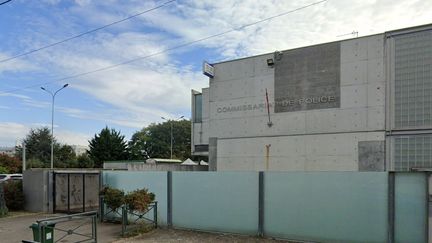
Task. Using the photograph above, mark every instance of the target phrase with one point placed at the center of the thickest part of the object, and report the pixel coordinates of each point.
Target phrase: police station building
(362, 104)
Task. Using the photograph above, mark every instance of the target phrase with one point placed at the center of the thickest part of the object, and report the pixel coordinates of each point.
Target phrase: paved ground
(170, 235)
(16, 228)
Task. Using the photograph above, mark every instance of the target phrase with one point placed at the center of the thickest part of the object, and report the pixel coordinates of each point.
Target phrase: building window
(198, 108)
(413, 80)
(201, 148)
(413, 151)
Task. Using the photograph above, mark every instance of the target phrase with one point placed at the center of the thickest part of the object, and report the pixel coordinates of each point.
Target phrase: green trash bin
(49, 233)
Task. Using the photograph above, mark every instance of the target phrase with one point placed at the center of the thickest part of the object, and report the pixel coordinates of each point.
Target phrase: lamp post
(170, 121)
(52, 120)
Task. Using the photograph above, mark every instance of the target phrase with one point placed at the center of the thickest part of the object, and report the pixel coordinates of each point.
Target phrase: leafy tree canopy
(38, 150)
(107, 145)
(153, 141)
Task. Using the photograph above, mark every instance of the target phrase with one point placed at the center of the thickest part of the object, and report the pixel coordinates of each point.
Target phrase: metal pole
(261, 203)
(52, 132)
(171, 138)
(52, 120)
(169, 199)
(23, 156)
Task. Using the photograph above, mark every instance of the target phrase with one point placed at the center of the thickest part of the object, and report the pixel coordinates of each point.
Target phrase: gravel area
(176, 235)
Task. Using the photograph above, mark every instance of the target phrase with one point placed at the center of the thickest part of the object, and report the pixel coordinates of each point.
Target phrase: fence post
(261, 203)
(427, 205)
(391, 207)
(101, 202)
(169, 198)
(155, 212)
(124, 219)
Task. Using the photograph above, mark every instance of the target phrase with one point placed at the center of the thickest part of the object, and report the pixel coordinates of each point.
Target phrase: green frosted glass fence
(410, 207)
(305, 206)
(216, 201)
(155, 181)
(326, 206)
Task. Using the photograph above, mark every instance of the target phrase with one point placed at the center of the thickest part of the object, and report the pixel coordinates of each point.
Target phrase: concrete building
(79, 149)
(363, 104)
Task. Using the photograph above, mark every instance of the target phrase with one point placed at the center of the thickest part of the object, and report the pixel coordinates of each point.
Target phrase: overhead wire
(85, 33)
(5, 2)
(165, 50)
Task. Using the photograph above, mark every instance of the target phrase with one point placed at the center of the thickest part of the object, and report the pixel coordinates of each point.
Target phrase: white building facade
(362, 104)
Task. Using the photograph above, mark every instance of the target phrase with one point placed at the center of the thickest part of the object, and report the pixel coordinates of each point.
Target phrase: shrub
(12, 164)
(13, 194)
(3, 208)
(139, 200)
(114, 198)
(4, 170)
(35, 163)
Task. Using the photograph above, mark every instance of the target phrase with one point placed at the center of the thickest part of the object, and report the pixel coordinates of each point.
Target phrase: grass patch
(138, 229)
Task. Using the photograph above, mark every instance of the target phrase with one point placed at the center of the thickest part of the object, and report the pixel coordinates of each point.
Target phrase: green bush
(4, 170)
(139, 200)
(12, 164)
(114, 198)
(35, 163)
(13, 194)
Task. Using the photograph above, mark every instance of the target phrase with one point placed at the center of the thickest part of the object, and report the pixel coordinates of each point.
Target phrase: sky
(158, 84)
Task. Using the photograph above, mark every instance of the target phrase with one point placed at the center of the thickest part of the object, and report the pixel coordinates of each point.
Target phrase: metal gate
(75, 192)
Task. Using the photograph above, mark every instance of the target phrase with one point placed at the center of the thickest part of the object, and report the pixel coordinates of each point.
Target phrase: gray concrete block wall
(320, 152)
(238, 112)
(242, 83)
(35, 187)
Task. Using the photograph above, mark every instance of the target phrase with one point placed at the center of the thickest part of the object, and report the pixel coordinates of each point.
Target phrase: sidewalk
(15, 229)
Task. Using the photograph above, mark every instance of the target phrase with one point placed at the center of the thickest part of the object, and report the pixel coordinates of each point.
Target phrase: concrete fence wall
(36, 190)
(306, 206)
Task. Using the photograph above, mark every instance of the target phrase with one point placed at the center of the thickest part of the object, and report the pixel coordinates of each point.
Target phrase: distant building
(362, 104)
(153, 164)
(8, 151)
(79, 149)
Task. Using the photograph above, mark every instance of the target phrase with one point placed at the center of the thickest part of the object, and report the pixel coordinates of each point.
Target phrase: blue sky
(132, 96)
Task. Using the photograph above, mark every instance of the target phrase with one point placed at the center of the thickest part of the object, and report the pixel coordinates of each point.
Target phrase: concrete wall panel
(353, 73)
(375, 46)
(35, 188)
(375, 70)
(353, 96)
(354, 50)
(234, 70)
(323, 152)
(376, 118)
(375, 94)
(205, 104)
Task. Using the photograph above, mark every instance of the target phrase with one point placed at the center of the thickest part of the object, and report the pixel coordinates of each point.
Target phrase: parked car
(7, 177)
(3, 177)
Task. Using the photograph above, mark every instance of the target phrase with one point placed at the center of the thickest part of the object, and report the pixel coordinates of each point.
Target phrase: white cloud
(12, 133)
(142, 91)
(71, 138)
(15, 65)
(27, 100)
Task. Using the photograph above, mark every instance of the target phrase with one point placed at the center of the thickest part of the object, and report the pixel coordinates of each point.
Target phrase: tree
(38, 145)
(38, 150)
(154, 141)
(107, 145)
(11, 164)
(84, 161)
(65, 157)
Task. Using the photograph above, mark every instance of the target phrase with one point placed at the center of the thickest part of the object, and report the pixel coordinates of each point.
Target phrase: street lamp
(52, 120)
(170, 121)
